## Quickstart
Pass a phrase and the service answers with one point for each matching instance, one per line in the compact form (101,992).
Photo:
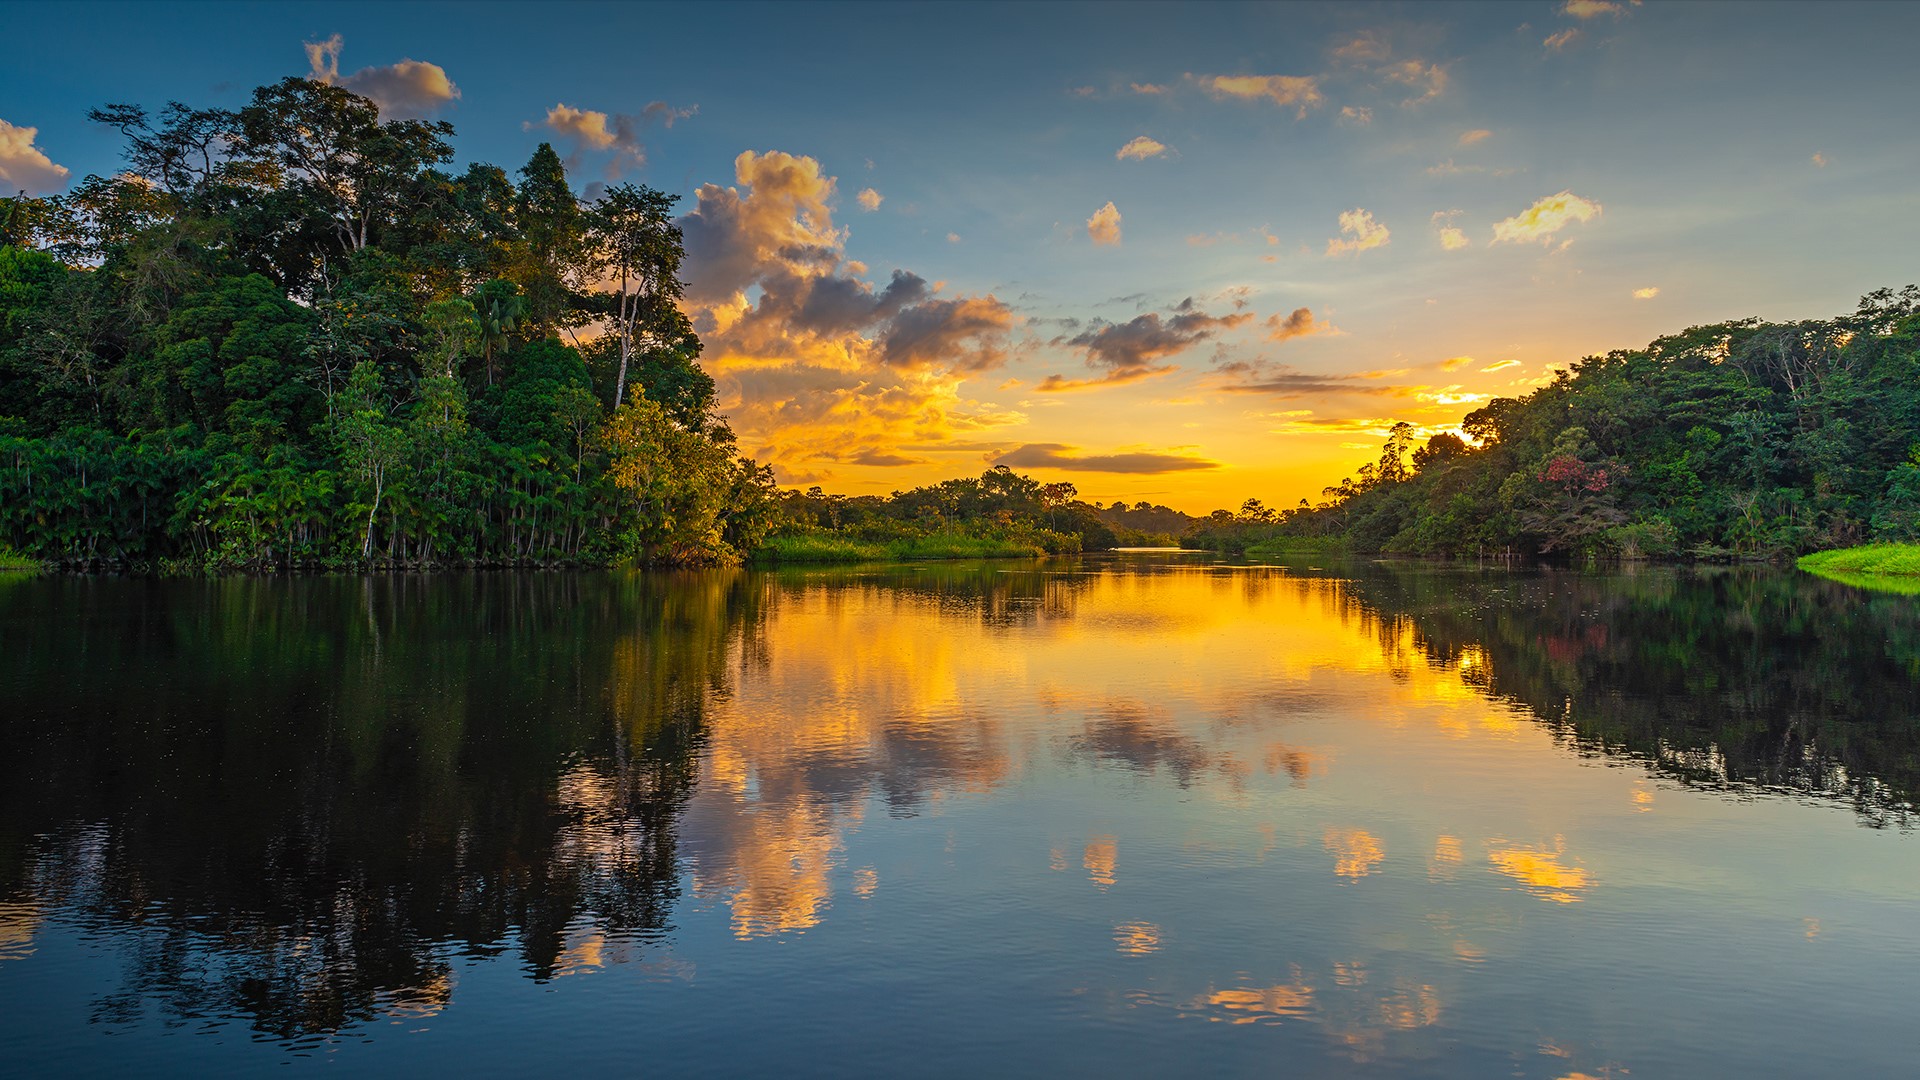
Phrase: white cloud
(1139,148)
(1362,230)
(1103,228)
(24,166)
(410,88)
(1544,218)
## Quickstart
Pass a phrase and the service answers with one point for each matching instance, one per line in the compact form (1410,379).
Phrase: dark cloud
(1134,345)
(964,334)
(1061,456)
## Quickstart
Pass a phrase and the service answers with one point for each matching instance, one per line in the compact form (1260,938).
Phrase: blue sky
(1740,159)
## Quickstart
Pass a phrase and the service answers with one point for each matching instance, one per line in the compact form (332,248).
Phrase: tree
(327,152)
(636,245)
(551,250)
(368,442)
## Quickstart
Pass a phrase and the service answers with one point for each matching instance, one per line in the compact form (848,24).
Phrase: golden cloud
(24,166)
(1468,138)
(1501,366)
(1562,39)
(1364,233)
(1591,9)
(1647,293)
(1103,227)
(1139,148)
(1427,81)
(1545,217)
(1300,91)
(1300,323)
(816,366)
(1356,114)
(869,199)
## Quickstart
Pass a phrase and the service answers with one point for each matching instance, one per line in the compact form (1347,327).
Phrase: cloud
(1147,88)
(408,89)
(1365,47)
(953,238)
(1501,366)
(1451,237)
(1356,114)
(1562,39)
(1592,9)
(1364,231)
(1819,160)
(1647,293)
(1545,217)
(1455,363)
(817,367)
(1281,381)
(1427,81)
(1132,350)
(1300,323)
(1062,456)
(1468,138)
(1104,226)
(1140,148)
(959,335)
(1300,91)
(590,129)
(24,166)
(870,199)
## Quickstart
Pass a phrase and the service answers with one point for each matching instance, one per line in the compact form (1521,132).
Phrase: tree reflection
(302,802)
(1753,680)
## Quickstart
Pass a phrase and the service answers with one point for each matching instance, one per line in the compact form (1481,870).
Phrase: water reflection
(313,806)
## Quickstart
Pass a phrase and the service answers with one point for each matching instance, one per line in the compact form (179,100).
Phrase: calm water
(1145,815)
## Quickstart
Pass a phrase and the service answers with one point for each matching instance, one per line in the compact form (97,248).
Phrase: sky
(1182,254)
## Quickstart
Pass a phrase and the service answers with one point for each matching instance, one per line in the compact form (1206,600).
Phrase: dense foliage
(1000,512)
(288,335)
(1739,440)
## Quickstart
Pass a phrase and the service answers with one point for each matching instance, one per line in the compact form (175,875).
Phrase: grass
(1884,567)
(11,563)
(792,550)
(1299,545)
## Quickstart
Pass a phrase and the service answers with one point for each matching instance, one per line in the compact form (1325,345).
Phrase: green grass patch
(11,563)
(1299,545)
(826,548)
(1884,567)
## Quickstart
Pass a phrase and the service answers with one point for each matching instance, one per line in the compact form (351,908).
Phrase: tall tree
(637,248)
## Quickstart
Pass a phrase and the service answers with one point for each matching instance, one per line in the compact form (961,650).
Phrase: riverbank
(1884,567)
(11,563)
(813,549)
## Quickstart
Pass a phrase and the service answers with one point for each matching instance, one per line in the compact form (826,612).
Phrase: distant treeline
(1741,440)
(287,336)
